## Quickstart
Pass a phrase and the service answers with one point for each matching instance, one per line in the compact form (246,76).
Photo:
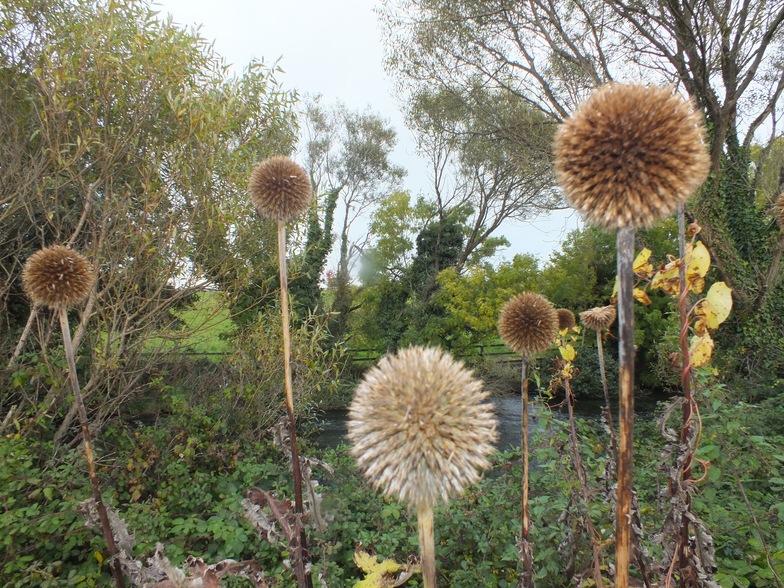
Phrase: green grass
(209,326)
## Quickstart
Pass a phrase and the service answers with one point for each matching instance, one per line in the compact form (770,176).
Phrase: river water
(509,410)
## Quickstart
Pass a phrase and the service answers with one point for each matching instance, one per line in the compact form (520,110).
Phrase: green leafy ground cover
(181,483)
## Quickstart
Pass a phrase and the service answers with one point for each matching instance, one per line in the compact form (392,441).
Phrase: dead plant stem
(295,464)
(625,246)
(88,452)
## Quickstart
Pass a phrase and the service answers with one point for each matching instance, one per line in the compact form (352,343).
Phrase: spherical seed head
(630,154)
(566,318)
(279,188)
(57,276)
(528,323)
(599,318)
(779,210)
(419,427)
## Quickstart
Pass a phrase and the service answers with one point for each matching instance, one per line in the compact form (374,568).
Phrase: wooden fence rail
(496,350)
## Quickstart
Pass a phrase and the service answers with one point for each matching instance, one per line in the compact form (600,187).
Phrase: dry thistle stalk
(58,277)
(421,431)
(280,189)
(629,155)
(528,324)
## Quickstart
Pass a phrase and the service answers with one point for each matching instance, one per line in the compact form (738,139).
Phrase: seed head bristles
(280,189)
(630,154)
(420,428)
(528,324)
(599,318)
(566,319)
(57,276)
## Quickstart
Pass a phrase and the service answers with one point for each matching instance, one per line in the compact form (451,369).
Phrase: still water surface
(509,410)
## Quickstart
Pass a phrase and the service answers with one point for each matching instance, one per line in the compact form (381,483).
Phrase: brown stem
(578,465)
(88,452)
(284,305)
(625,246)
(526,579)
(427,550)
(605,387)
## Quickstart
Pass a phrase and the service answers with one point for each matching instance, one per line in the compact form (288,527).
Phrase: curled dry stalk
(687,429)
(106,527)
(303,574)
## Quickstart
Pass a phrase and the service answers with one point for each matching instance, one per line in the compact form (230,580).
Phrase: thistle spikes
(420,428)
(57,277)
(630,154)
(280,189)
(528,324)
(566,319)
(598,318)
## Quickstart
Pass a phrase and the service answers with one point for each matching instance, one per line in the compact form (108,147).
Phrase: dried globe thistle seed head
(419,426)
(779,210)
(566,318)
(57,276)
(599,318)
(528,323)
(279,188)
(630,154)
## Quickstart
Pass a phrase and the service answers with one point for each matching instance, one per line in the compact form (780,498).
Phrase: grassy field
(208,325)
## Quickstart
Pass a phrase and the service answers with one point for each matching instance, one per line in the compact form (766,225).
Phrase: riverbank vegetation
(180,481)
(125,137)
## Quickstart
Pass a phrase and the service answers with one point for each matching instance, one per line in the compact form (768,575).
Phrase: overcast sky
(335,49)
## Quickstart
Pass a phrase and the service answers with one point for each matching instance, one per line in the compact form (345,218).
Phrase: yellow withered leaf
(699,260)
(707,315)
(700,327)
(641,296)
(720,298)
(667,278)
(641,266)
(375,571)
(700,350)
(567,352)
(696,283)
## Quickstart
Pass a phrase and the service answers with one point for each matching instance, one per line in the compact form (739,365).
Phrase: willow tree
(123,136)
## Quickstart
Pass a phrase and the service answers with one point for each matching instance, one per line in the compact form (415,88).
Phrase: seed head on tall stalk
(58,278)
(528,324)
(600,319)
(281,190)
(421,431)
(626,158)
